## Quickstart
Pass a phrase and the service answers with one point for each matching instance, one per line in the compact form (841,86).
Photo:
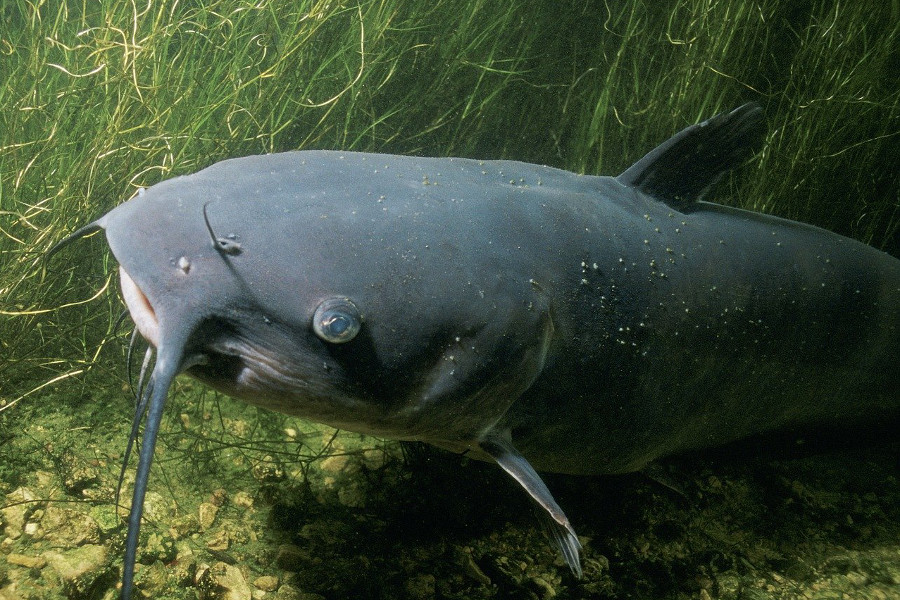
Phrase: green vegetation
(102,97)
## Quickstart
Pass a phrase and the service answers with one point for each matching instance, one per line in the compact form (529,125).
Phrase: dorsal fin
(681,170)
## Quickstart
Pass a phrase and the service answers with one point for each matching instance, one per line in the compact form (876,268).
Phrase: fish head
(303,283)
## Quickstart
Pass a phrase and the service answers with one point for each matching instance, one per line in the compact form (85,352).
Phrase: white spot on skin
(184,265)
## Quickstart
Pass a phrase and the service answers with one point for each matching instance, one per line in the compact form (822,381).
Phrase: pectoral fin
(502,451)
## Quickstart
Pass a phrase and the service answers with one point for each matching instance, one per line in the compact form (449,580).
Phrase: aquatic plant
(103,98)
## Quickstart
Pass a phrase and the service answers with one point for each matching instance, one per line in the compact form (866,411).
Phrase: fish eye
(337,320)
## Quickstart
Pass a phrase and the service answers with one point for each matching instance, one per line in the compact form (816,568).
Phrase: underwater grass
(825,73)
(103,98)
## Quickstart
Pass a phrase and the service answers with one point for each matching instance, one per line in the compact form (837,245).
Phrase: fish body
(518,313)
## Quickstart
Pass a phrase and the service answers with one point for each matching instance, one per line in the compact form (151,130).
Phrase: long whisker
(119,321)
(78,234)
(129,374)
(168,364)
(142,380)
(141,397)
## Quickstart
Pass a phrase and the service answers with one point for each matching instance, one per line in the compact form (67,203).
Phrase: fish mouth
(142,312)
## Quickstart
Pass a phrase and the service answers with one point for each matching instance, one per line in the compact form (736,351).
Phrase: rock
(207,515)
(69,528)
(335,463)
(182,572)
(268,470)
(156,507)
(77,570)
(220,541)
(219,497)
(29,562)
(471,568)
(542,588)
(243,500)
(351,495)
(204,581)
(106,518)
(375,458)
(729,586)
(183,526)
(291,558)
(266,583)
(288,592)
(158,546)
(151,580)
(9,593)
(20,504)
(230,580)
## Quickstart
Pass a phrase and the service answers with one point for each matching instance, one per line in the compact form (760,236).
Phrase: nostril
(142,312)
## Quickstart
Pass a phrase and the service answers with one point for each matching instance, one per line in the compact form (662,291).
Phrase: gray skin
(545,320)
